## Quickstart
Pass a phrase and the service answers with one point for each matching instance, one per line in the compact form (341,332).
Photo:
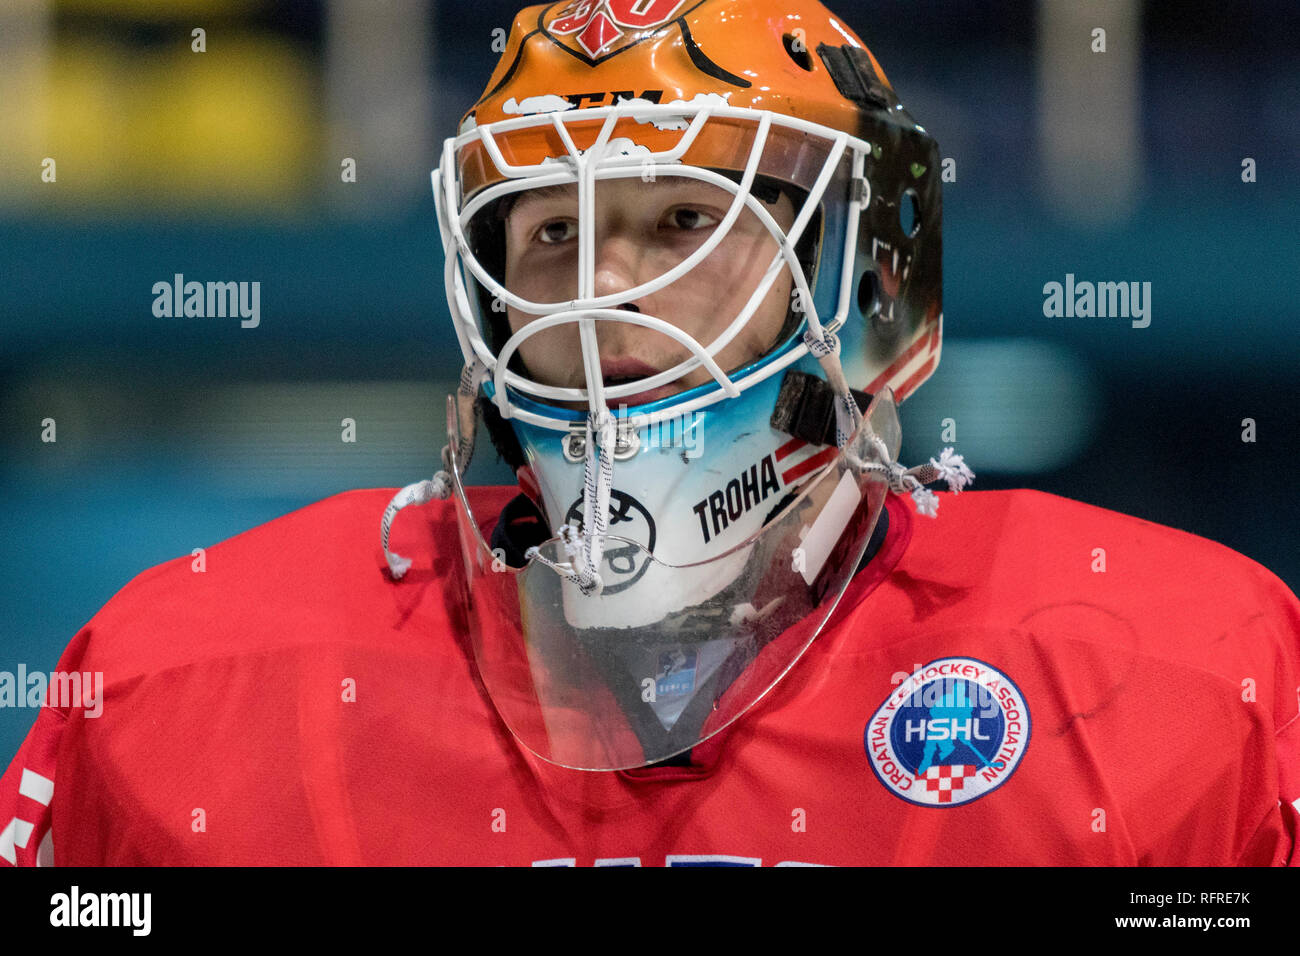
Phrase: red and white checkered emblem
(944,780)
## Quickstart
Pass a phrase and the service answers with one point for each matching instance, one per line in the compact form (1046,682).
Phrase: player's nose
(618,265)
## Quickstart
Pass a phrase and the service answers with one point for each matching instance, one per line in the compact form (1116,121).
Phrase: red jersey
(1025,680)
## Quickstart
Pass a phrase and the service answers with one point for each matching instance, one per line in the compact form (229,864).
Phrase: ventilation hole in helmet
(909,213)
(869,294)
(797,49)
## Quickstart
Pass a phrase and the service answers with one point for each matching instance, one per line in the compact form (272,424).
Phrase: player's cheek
(700,304)
(537,352)
(557,351)
(542,273)
(770,316)
(516,318)
(749,252)
(749,276)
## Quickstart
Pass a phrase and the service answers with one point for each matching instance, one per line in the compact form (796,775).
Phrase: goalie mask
(676,234)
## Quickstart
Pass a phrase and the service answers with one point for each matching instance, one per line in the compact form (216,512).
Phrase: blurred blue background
(178,433)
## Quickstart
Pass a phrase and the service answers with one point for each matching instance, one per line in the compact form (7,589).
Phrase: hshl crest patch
(953,731)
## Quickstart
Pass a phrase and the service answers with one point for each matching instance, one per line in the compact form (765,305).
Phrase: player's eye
(688,218)
(555,231)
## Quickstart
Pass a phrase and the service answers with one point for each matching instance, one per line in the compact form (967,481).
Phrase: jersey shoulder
(1048,565)
(315,574)
(283,674)
(1024,528)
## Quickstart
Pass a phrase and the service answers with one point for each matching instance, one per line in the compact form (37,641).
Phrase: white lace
(585,546)
(950,467)
(440,485)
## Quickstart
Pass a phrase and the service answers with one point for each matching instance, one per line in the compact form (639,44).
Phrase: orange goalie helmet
(723,65)
(788,56)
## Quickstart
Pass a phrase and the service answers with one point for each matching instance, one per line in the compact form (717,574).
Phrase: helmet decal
(592,31)
(597,29)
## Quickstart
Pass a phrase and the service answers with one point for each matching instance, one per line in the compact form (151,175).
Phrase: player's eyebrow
(523,197)
(513,202)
